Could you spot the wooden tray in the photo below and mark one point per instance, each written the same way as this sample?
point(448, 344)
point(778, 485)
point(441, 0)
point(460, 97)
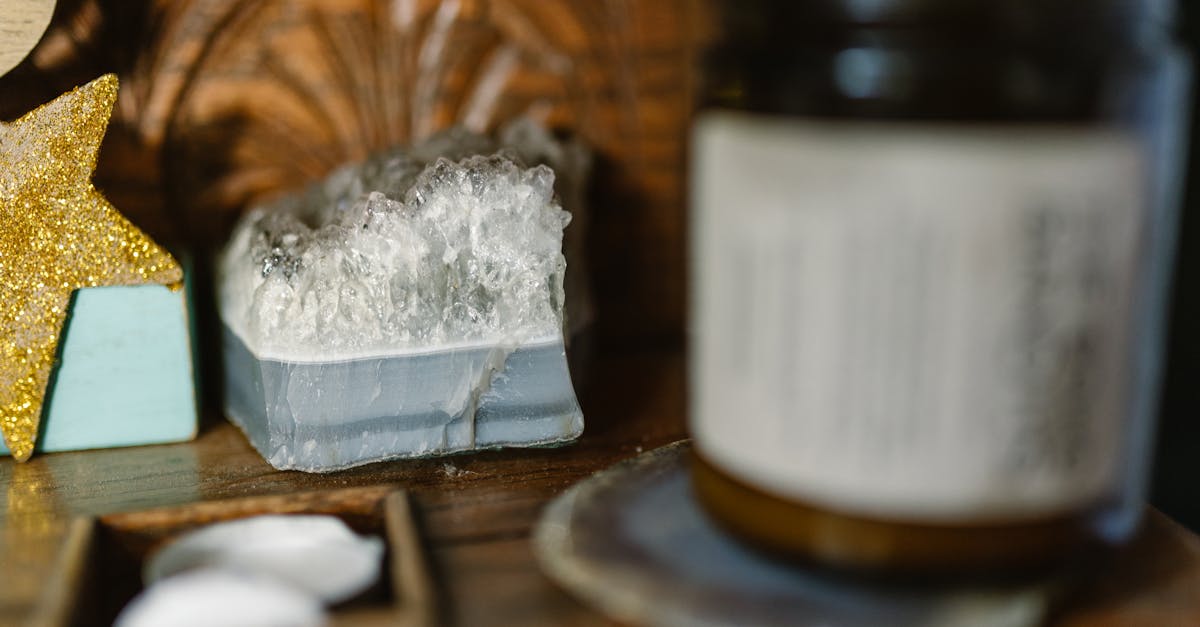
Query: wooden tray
point(99, 570)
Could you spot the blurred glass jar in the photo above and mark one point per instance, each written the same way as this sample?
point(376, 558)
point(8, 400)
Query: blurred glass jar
point(931, 241)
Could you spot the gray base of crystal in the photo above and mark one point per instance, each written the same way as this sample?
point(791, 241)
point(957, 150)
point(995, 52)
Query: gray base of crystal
point(324, 416)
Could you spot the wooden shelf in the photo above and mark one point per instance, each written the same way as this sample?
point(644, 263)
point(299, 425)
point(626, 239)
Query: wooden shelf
point(477, 510)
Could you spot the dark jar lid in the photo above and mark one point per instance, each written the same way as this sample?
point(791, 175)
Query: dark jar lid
point(1007, 18)
point(941, 59)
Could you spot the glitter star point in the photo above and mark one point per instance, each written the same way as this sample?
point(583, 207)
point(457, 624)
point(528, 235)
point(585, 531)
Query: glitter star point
point(57, 234)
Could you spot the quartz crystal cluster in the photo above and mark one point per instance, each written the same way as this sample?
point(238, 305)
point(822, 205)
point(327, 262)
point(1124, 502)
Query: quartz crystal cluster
point(410, 305)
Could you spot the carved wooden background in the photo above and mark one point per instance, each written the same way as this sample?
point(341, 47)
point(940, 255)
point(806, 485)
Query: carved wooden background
point(225, 102)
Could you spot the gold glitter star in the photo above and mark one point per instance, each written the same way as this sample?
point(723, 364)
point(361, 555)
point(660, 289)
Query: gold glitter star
point(57, 234)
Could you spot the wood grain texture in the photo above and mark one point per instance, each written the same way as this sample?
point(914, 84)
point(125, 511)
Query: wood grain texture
point(413, 586)
point(227, 102)
point(478, 510)
point(22, 23)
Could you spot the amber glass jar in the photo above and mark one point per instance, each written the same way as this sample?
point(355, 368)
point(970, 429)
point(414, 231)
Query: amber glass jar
point(930, 250)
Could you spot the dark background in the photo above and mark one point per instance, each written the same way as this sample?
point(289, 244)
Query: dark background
point(1176, 487)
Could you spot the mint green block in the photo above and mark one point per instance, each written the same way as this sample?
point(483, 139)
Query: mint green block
point(125, 373)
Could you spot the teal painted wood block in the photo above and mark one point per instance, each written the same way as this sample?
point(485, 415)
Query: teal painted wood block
point(125, 374)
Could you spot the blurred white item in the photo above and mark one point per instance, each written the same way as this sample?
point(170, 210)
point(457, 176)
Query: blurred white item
point(317, 555)
point(220, 597)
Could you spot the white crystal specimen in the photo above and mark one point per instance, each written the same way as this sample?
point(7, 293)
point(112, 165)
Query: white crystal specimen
point(470, 254)
point(202, 598)
point(407, 306)
point(318, 555)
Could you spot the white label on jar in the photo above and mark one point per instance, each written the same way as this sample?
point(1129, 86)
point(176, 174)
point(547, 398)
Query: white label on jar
point(914, 321)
